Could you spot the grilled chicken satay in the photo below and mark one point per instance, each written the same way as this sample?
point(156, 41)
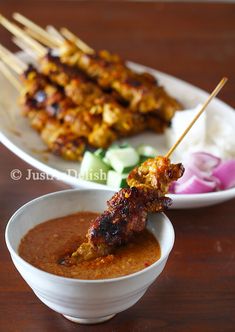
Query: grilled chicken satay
point(100, 130)
point(128, 209)
point(138, 82)
point(140, 90)
point(57, 136)
point(40, 93)
point(61, 142)
point(85, 92)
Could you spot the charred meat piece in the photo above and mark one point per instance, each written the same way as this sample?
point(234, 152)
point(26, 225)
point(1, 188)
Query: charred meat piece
point(43, 103)
point(128, 209)
point(126, 214)
point(140, 90)
point(87, 95)
point(156, 173)
point(97, 119)
point(61, 142)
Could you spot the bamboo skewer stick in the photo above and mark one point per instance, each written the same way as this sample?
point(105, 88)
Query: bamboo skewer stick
point(11, 60)
point(46, 38)
point(35, 28)
point(12, 55)
point(39, 38)
point(25, 47)
point(73, 38)
point(5, 70)
point(204, 106)
point(10, 76)
point(55, 33)
point(16, 31)
point(13, 65)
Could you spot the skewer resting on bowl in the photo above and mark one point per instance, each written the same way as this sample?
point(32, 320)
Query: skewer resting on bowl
point(128, 209)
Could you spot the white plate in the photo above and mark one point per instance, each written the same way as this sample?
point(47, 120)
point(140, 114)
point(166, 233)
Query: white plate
point(22, 140)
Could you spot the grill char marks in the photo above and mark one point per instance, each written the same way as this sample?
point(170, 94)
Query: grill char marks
point(128, 209)
point(126, 215)
point(71, 71)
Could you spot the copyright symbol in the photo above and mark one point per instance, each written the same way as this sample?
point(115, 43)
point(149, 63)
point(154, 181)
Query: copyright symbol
point(16, 174)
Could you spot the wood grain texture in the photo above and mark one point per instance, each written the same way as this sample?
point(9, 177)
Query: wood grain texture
point(195, 42)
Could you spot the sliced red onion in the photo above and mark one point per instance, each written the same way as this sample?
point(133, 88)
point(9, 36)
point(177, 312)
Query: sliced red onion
point(195, 185)
point(205, 173)
point(202, 163)
point(225, 172)
point(188, 173)
point(217, 181)
point(172, 187)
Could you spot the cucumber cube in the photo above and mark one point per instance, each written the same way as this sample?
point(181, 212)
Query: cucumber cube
point(100, 153)
point(122, 160)
point(116, 180)
point(147, 151)
point(119, 146)
point(93, 169)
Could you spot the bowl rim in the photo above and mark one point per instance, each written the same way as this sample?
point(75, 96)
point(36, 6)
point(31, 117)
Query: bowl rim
point(50, 276)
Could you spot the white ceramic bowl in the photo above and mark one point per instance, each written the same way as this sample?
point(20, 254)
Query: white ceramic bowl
point(83, 301)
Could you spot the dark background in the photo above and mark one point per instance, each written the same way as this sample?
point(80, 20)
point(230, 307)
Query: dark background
point(195, 42)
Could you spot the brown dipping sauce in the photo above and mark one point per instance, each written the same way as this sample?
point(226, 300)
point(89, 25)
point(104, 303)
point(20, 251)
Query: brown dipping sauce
point(48, 243)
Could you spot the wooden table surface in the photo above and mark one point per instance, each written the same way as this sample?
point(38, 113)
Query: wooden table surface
point(195, 42)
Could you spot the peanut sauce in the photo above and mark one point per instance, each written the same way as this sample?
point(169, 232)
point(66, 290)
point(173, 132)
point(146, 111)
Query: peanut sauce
point(46, 245)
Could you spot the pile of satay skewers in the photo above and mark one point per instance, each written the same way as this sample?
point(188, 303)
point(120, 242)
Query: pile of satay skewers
point(78, 98)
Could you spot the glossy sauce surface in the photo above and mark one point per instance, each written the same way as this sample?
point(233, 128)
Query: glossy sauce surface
point(48, 243)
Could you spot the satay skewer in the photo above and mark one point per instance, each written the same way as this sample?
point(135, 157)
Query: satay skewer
point(51, 41)
point(35, 28)
point(149, 185)
point(10, 59)
point(25, 47)
point(139, 91)
point(115, 117)
point(77, 41)
point(59, 139)
point(19, 33)
point(82, 120)
point(9, 54)
point(204, 106)
point(16, 31)
point(40, 38)
point(55, 33)
point(39, 33)
point(134, 122)
point(10, 76)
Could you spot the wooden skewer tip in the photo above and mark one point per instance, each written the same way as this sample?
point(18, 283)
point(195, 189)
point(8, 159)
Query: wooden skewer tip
point(204, 106)
point(9, 75)
point(18, 32)
point(12, 60)
point(37, 31)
